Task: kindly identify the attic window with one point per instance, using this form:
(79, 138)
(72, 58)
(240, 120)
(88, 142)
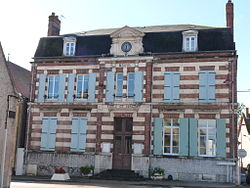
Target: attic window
(69, 46)
(189, 43)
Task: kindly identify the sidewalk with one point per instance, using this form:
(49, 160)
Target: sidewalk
(145, 183)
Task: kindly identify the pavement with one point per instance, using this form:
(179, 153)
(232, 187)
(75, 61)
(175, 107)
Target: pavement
(145, 183)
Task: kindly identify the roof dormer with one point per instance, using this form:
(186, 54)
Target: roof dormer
(126, 41)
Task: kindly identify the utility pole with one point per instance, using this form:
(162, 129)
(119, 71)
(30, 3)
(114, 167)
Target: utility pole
(5, 142)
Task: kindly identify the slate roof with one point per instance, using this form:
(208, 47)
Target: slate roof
(20, 77)
(157, 39)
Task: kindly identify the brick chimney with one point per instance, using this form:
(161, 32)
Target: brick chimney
(230, 14)
(54, 25)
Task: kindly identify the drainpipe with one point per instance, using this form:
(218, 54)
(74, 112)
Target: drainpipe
(5, 138)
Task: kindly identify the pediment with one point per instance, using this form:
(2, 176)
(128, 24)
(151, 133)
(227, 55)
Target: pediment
(126, 31)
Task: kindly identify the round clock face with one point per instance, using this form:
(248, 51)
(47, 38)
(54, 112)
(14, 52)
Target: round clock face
(126, 46)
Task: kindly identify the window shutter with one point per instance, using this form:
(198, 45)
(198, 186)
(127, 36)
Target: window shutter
(139, 86)
(91, 90)
(211, 86)
(221, 138)
(52, 135)
(167, 87)
(203, 87)
(110, 87)
(193, 137)
(176, 86)
(184, 136)
(82, 134)
(74, 134)
(61, 87)
(44, 134)
(78, 134)
(119, 85)
(158, 134)
(71, 82)
(41, 89)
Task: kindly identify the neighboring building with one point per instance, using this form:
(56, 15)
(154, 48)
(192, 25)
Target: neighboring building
(244, 136)
(14, 92)
(136, 98)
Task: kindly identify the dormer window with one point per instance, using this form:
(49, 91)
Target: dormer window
(190, 41)
(69, 46)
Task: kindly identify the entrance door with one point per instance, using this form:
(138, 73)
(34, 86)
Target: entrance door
(122, 143)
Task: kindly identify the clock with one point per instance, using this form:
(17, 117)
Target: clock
(126, 46)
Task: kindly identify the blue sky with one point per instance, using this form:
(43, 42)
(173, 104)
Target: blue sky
(24, 22)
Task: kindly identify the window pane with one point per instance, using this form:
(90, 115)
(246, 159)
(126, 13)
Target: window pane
(167, 140)
(175, 140)
(176, 122)
(56, 89)
(85, 86)
(131, 84)
(167, 122)
(203, 141)
(50, 91)
(175, 150)
(175, 130)
(211, 123)
(167, 131)
(79, 86)
(203, 131)
(118, 124)
(129, 125)
(202, 123)
(202, 151)
(166, 149)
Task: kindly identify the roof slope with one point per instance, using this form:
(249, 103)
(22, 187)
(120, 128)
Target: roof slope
(20, 77)
(147, 29)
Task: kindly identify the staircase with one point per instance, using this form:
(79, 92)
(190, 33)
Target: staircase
(127, 175)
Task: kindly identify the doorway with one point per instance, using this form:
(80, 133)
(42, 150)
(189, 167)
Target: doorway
(123, 128)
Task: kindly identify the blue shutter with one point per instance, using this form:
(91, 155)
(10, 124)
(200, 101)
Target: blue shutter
(44, 134)
(211, 86)
(167, 87)
(139, 86)
(82, 134)
(203, 87)
(52, 134)
(78, 134)
(221, 138)
(61, 87)
(131, 85)
(71, 81)
(74, 134)
(91, 90)
(41, 89)
(110, 87)
(158, 134)
(119, 85)
(193, 137)
(184, 136)
(176, 86)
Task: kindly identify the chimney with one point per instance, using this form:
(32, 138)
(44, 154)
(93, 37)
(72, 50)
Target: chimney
(54, 25)
(230, 14)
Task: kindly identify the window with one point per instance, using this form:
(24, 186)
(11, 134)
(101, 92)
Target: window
(53, 86)
(171, 86)
(190, 41)
(131, 85)
(78, 134)
(119, 85)
(207, 137)
(69, 46)
(207, 86)
(82, 86)
(171, 136)
(70, 49)
(114, 86)
(48, 134)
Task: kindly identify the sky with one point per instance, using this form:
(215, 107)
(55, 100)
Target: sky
(24, 22)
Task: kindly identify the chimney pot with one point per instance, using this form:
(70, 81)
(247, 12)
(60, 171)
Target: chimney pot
(54, 25)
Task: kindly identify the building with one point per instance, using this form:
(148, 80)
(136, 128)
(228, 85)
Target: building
(244, 136)
(136, 98)
(14, 92)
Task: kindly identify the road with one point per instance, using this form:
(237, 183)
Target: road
(46, 185)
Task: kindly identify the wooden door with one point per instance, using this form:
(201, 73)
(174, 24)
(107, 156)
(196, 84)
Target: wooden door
(123, 128)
